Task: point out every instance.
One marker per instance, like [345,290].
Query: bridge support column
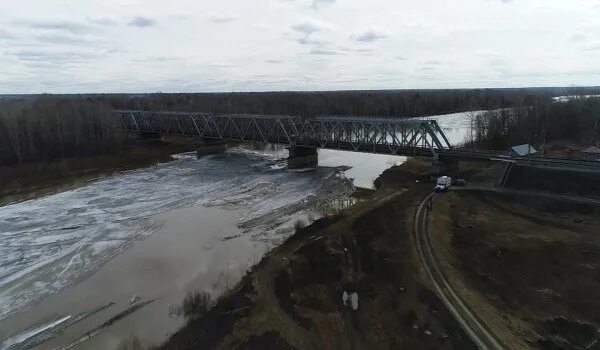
[302,157]
[210,146]
[445,166]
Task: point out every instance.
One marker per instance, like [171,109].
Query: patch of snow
[354,301]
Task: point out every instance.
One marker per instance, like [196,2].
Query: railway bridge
[303,135]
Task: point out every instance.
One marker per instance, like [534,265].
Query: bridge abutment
[302,157]
[445,166]
[210,146]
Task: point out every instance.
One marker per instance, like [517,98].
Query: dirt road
[478,331]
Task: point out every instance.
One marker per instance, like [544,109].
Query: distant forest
[51,127]
[576,119]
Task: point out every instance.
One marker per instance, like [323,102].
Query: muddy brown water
[175,260]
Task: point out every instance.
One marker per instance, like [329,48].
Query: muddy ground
[293,299]
[555,180]
[529,265]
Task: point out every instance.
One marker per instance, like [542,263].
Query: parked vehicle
[459,182]
[443,183]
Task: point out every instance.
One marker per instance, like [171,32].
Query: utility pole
[472,140]
[544,132]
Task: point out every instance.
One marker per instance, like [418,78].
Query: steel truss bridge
[359,134]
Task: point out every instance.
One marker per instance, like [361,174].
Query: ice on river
[48,243]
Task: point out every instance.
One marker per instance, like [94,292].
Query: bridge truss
[359,134]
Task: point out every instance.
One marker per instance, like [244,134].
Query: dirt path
[472,325]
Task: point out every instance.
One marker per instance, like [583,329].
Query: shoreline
[293,297]
[231,232]
[35,180]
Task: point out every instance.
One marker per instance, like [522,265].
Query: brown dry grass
[521,261]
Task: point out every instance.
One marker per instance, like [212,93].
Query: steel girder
[359,134]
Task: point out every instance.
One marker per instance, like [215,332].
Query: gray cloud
[223,17]
[318,3]
[592,47]
[328,41]
[576,38]
[179,16]
[38,55]
[370,35]
[309,26]
[67,26]
[103,21]
[156,59]
[5,34]
[315,4]
[60,38]
[52,58]
[142,22]
[323,51]
[360,50]
[312,41]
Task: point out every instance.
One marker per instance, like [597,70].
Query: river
[71,261]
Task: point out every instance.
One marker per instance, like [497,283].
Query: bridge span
[303,135]
[408,137]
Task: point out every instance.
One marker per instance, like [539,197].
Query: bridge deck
[359,134]
[410,137]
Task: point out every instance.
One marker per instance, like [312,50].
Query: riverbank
[33,180]
[351,280]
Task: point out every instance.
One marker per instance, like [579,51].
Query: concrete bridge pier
[211,146]
[302,157]
[444,166]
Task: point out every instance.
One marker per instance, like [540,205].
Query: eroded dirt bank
[294,297]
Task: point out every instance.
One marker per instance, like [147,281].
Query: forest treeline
[46,128]
[576,119]
[50,127]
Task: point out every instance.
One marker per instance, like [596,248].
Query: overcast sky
[72,46]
